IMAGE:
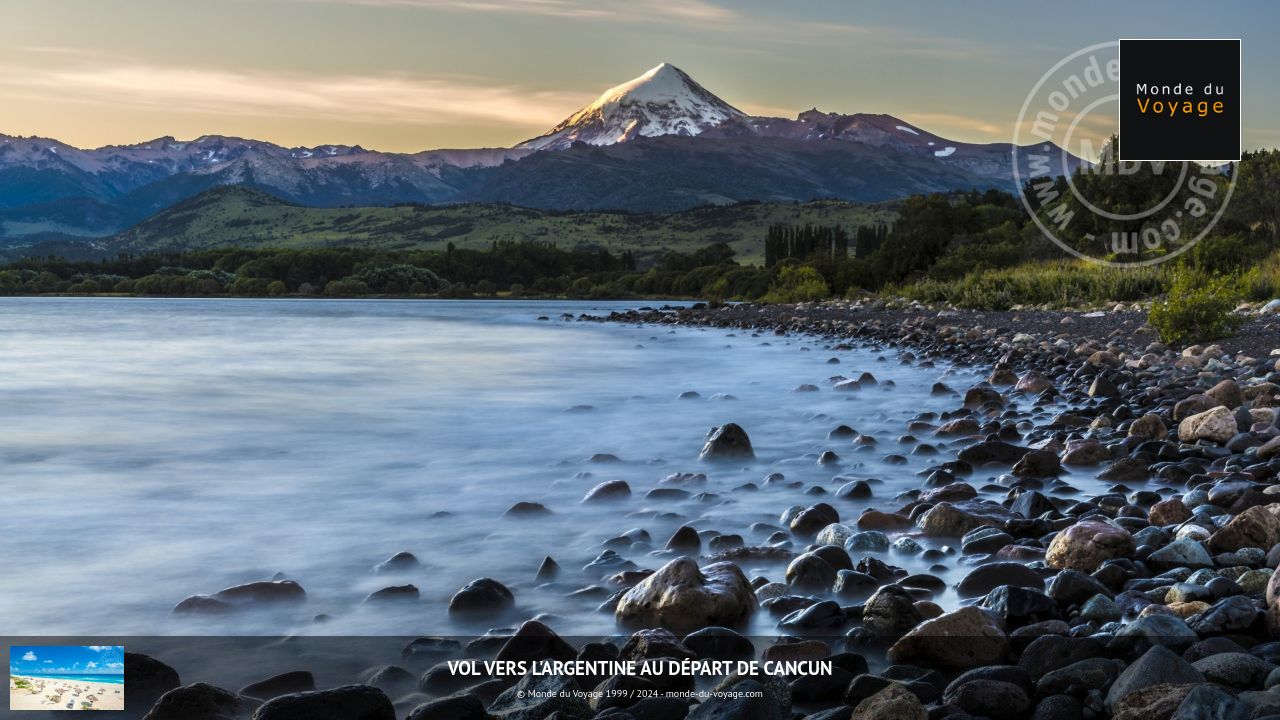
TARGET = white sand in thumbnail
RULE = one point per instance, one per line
(42, 693)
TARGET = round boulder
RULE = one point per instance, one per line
(727, 442)
(960, 640)
(484, 596)
(682, 597)
(1085, 545)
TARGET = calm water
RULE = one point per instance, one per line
(155, 449)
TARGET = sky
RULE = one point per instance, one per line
(67, 660)
(409, 75)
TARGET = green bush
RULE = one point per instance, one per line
(798, 283)
(1058, 284)
(398, 278)
(346, 287)
(276, 288)
(1197, 308)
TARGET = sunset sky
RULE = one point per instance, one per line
(407, 75)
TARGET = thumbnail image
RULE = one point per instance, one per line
(75, 677)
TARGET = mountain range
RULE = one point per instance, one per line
(658, 143)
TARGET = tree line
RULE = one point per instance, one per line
(937, 244)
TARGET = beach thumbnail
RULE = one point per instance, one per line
(66, 677)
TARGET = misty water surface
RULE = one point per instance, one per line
(155, 449)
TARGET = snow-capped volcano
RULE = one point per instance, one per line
(663, 101)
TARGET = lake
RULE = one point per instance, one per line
(154, 449)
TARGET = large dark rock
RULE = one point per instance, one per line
(197, 702)
(823, 616)
(654, 643)
(1157, 666)
(242, 597)
(1003, 673)
(685, 539)
(1159, 629)
(1235, 669)
(1050, 652)
(538, 696)
(1018, 606)
(1059, 707)
(403, 561)
(890, 612)
(992, 451)
(683, 597)
(810, 573)
(994, 699)
(1207, 702)
(809, 521)
(985, 578)
(352, 702)
(894, 702)
(650, 708)
(820, 688)
(457, 707)
(607, 491)
(1037, 463)
(290, 682)
(771, 701)
(1072, 587)
(1231, 614)
(393, 593)
(146, 679)
(958, 640)
(484, 596)
(1080, 677)
(1085, 545)
(1032, 504)
(727, 442)
(393, 680)
(719, 643)
(535, 641)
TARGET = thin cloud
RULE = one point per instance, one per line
(763, 110)
(708, 16)
(618, 10)
(401, 98)
(933, 121)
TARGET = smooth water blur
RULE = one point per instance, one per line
(156, 449)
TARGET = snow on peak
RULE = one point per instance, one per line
(663, 101)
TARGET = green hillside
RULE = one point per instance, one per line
(242, 217)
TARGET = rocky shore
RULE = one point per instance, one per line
(1148, 595)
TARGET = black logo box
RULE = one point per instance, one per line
(1187, 64)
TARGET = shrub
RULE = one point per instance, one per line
(346, 287)
(1058, 284)
(1262, 280)
(248, 286)
(398, 277)
(222, 278)
(1197, 308)
(277, 288)
(798, 283)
